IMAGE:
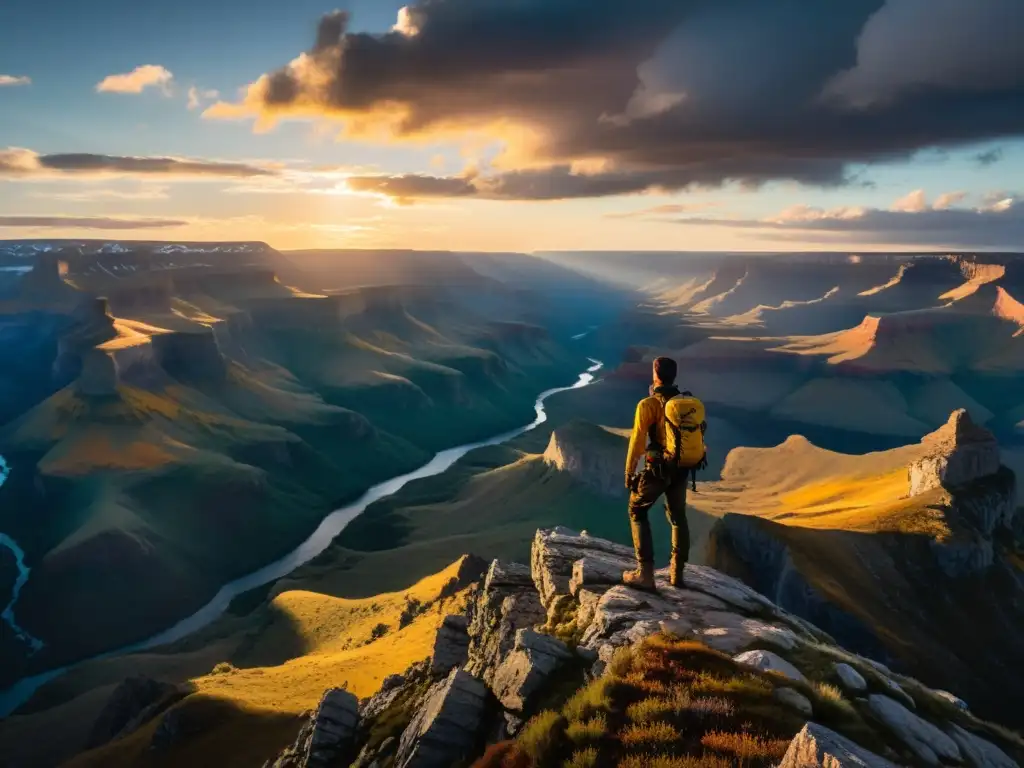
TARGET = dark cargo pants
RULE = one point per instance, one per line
(648, 490)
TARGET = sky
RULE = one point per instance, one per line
(523, 125)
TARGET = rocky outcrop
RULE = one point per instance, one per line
(818, 747)
(958, 454)
(192, 357)
(524, 671)
(451, 646)
(573, 586)
(927, 742)
(767, 661)
(327, 739)
(445, 728)
(852, 680)
(589, 453)
(507, 603)
(979, 753)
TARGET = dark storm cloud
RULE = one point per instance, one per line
(989, 157)
(87, 222)
(666, 93)
(16, 162)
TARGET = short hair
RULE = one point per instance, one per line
(665, 370)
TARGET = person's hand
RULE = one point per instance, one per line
(630, 481)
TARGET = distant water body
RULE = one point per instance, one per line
(321, 538)
(19, 558)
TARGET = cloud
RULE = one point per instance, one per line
(998, 224)
(12, 80)
(915, 202)
(669, 209)
(88, 222)
(949, 45)
(948, 200)
(96, 195)
(197, 96)
(136, 81)
(661, 94)
(20, 163)
(989, 157)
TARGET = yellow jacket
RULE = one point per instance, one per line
(649, 413)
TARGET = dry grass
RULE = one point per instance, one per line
(651, 709)
(648, 734)
(541, 736)
(745, 746)
(582, 758)
(582, 732)
(671, 761)
(594, 699)
(670, 703)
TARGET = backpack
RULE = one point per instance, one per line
(684, 416)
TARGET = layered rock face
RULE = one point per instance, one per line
(959, 453)
(590, 454)
(442, 715)
(957, 570)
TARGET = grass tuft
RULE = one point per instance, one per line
(591, 700)
(670, 761)
(648, 734)
(746, 746)
(541, 736)
(581, 732)
(650, 709)
(582, 758)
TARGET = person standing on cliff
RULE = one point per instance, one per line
(668, 433)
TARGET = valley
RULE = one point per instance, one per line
(251, 461)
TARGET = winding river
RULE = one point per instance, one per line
(321, 538)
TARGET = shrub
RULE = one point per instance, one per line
(592, 700)
(224, 668)
(711, 706)
(379, 631)
(541, 735)
(648, 734)
(669, 761)
(582, 758)
(591, 730)
(650, 709)
(745, 746)
(621, 663)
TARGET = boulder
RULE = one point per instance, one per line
(451, 646)
(927, 742)
(328, 738)
(853, 681)
(524, 671)
(766, 661)
(895, 690)
(978, 752)
(394, 688)
(958, 453)
(819, 747)
(555, 552)
(444, 729)
(795, 700)
(507, 603)
(731, 633)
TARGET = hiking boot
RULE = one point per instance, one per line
(643, 545)
(680, 551)
(676, 567)
(641, 578)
